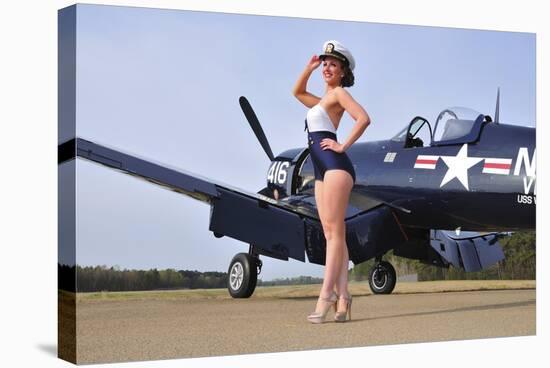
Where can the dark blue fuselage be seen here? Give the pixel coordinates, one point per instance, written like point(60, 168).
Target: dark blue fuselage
point(485, 185)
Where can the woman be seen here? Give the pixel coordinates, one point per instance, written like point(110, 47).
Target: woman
point(334, 173)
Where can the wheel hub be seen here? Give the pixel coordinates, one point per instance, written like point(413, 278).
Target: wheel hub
point(236, 276)
point(379, 278)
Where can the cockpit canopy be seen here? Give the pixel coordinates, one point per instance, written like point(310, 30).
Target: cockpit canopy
point(457, 123)
point(453, 125)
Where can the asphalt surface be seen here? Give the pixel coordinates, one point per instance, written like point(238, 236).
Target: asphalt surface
point(115, 331)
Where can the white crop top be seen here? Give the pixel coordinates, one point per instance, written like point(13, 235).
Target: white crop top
point(318, 119)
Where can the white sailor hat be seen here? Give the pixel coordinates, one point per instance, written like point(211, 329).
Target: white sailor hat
point(336, 49)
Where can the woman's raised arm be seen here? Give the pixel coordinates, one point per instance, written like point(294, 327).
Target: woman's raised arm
point(300, 88)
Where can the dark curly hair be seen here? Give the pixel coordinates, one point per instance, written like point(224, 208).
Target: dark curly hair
point(349, 79)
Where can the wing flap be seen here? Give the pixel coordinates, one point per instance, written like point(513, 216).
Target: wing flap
point(274, 230)
point(473, 252)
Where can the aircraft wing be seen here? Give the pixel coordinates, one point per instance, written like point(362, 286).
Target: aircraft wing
point(287, 228)
point(470, 250)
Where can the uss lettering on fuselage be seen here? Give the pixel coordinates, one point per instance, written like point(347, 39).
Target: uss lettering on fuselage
point(526, 167)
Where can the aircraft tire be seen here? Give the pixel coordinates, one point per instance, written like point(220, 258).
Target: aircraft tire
point(382, 278)
point(242, 276)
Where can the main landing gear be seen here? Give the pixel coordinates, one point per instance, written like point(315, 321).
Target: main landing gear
point(243, 274)
point(245, 267)
point(382, 277)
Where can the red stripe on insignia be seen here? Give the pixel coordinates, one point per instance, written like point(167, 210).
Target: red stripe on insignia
point(432, 162)
point(497, 166)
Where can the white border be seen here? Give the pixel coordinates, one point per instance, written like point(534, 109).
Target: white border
point(28, 150)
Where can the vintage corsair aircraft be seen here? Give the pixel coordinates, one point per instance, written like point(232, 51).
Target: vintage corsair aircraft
point(421, 199)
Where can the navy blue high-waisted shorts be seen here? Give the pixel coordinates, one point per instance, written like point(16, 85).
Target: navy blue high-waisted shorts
point(324, 160)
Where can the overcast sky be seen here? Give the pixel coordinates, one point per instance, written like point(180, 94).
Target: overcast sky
point(164, 84)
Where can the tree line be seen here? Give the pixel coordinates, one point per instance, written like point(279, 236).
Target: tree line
point(300, 280)
point(103, 278)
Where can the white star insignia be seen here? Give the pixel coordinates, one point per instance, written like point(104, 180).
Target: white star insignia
point(458, 166)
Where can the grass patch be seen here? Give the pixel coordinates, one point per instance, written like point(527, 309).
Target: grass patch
point(307, 291)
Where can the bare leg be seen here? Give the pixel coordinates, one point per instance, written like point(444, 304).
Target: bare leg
point(334, 201)
point(319, 192)
point(319, 198)
point(341, 286)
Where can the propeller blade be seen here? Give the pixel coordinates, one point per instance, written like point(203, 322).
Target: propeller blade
point(255, 125)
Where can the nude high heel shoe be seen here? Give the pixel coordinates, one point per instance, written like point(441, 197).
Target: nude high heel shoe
point(341, 316)
point(319, 317)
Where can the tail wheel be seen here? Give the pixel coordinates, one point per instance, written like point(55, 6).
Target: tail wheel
point(242, 276)
point(382, 278)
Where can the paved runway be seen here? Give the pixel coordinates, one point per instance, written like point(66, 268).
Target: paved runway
point(113, 331)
